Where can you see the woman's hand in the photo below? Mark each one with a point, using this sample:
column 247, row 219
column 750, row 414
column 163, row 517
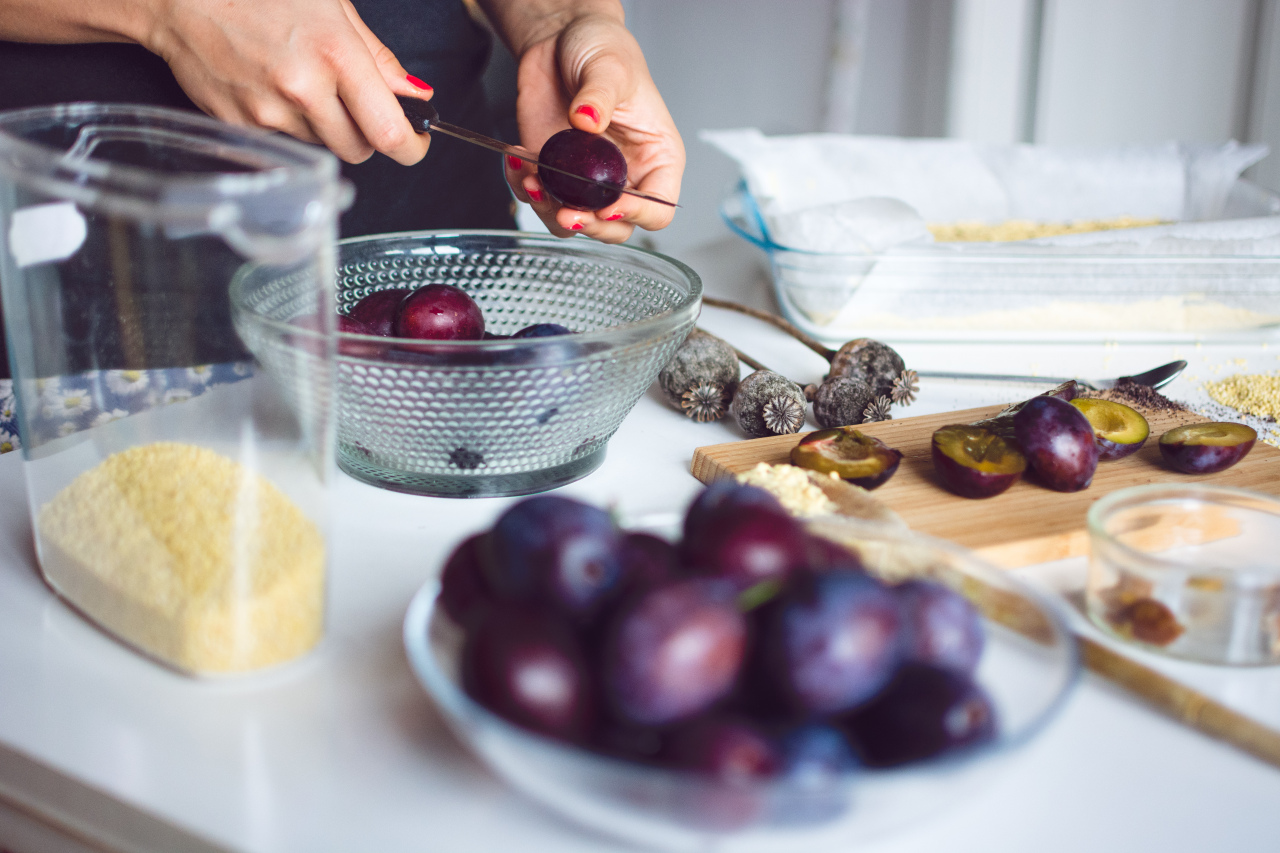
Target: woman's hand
column 583, row 68
column 309, row 68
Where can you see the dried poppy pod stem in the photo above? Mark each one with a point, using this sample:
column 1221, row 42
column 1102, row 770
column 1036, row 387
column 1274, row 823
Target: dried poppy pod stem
column 878, row 362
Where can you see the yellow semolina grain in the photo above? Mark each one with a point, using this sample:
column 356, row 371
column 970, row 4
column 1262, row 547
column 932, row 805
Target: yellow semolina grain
column 1254, row 394
column 1024, row 229
column 791, row 486
column 191, row 556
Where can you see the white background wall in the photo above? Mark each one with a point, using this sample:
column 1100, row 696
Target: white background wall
column 1050, row 71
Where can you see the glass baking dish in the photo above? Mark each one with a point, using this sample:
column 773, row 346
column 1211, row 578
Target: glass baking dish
column 1013, row 292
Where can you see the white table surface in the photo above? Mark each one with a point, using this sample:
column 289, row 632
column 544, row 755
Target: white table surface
column 101, row 749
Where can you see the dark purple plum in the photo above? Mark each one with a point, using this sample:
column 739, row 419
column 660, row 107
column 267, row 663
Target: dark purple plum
column 525, row 665
column 735, row 754
column 464, row 593
column 1206, row 448
column 378, row 310
column 817, row 765
column 1118, row 430
column 648, row 561
column 747, row 546
column 924, row 712
column 724, row 498
column 940, row 626
column 861, row 459
column 823, row 555
column 974, row 462
column 543, row 330
column 1058, row 443
column 357, row 349
column 830, row 641
column 555, row 550
column 439, row 312
column 588, row 155
column 674, row 651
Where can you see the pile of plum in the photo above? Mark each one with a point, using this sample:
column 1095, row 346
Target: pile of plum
column 433, row 312
column 750, row 651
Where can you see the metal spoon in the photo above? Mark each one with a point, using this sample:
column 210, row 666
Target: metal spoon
column 1156, row 377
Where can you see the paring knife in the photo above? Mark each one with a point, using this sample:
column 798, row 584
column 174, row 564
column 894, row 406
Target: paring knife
column 424, row 118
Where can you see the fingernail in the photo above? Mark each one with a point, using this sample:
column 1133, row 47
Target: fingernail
column 536, row 195
column 415, row 81
column 514, row 163
column 613, row 217
column 577, row 226
column 590, row 112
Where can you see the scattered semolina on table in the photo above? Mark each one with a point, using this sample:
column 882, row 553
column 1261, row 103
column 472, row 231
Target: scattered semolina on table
column 191, row 556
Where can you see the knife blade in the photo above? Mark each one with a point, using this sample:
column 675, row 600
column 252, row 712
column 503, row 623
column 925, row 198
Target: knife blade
column 424, row 118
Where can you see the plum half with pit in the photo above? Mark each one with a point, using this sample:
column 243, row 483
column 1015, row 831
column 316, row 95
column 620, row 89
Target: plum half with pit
column 439, row 312
column 861, row 459
column 1206, row 448
column 1058, row 443
column 1118, row 430
column 588, row 155
column 974, row 462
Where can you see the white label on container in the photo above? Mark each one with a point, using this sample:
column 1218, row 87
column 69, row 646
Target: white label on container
column 46, row 232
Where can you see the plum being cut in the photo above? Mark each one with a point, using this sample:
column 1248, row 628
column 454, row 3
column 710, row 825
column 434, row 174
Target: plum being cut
column 1206, row 448
column 673, row 652
column 861, row 459
column 1058, row 442
column 1118, row 430
column 974, row 462
column 589, row 155
column 439, row 312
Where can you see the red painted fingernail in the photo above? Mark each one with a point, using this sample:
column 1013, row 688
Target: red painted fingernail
column 514, row 163
column 590, row 112
column 577, row 226
column 535, row 195
column 614, row 216
column 415, row 81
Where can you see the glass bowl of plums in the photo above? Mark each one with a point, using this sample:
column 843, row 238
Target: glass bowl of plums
column 735, row 679
column 484, row 363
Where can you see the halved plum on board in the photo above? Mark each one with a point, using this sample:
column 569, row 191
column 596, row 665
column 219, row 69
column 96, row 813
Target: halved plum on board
column 1058, row 442
column 1206, row 448
column 974, row 462
column 848, row 453
column 1118, row 430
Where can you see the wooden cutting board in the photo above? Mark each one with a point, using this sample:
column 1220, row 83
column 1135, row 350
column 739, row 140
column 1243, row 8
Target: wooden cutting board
column 1025, row 525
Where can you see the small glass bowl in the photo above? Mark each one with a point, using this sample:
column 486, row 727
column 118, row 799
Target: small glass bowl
column 1028, row 667
column 505, row 416
column 1188, row 571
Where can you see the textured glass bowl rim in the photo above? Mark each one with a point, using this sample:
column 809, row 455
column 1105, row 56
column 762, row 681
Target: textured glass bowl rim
column 296, row 163
column 650, row 328
column 456, row 705
column 1154, row 493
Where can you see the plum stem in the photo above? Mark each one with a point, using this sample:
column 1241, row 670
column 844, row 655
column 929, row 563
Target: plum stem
column 774, row 320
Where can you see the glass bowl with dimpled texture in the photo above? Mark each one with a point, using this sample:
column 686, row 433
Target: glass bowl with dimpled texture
column 491, row 417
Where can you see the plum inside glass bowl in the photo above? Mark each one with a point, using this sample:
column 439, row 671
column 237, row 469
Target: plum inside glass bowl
column 503, row 416
column 1028, row 666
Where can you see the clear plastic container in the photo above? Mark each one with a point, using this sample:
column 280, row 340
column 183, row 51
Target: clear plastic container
column 1189, row 571
column 177, row 490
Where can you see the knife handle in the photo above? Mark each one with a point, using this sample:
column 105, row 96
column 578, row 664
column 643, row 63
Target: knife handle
column 421, row 114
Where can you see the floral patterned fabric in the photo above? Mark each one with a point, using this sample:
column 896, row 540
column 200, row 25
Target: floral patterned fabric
column 68, row 404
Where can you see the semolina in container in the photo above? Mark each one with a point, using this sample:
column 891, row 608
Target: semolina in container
column 178, row 490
